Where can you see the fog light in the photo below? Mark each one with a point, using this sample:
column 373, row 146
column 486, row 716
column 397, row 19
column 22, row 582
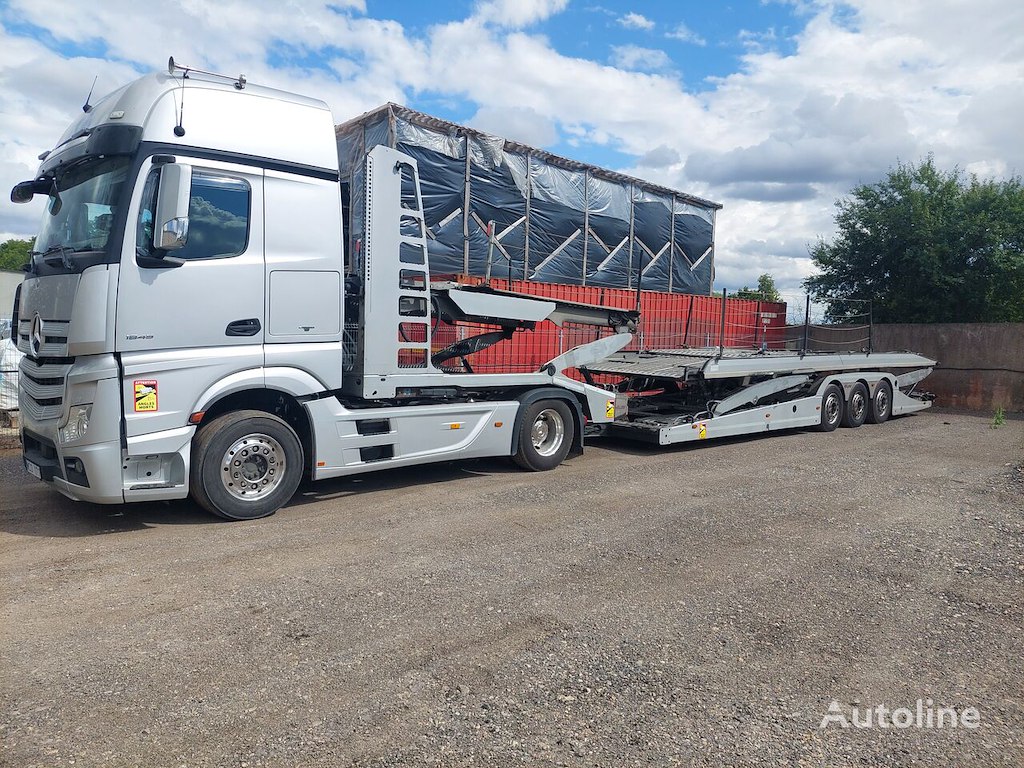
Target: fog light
column 77, row 424
column 74, row 471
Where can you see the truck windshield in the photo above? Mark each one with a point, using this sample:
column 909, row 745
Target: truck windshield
column 81, row 206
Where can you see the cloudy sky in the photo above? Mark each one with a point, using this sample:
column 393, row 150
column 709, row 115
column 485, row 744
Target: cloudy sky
column 774, row 108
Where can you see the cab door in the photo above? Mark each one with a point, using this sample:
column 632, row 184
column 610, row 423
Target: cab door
column 216, row 298
column 182, row 329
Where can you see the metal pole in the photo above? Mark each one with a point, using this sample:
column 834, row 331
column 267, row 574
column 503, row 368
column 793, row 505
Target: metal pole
column 526, row 226
column 711, row 272
column 586, row 220
column 721, row 330
column 466, row 199
column 689, row 314
column 639, row 267
column 490, row 250
column 871, row 325
column 672, row 243
column 807, row 324
column 629, row 274
column 757, row 322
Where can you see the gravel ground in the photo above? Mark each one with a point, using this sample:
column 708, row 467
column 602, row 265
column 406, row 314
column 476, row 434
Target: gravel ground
column 696, row 606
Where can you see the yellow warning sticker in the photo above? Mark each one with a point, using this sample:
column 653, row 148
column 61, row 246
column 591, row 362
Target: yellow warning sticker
column 609, row 409
column 145, row 395
column 702, row 431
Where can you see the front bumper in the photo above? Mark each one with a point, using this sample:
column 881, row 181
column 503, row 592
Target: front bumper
column 83, row 473
column 154, row 468
column 99, row 467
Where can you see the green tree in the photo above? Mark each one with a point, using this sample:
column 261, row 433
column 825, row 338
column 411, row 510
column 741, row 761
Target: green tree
column 765, row 291
column 14, row 254
column 926, row 246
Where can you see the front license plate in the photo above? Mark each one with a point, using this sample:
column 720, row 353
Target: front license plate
column 33, row 469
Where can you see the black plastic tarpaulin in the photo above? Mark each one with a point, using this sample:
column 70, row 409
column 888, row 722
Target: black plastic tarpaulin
column 499, row 207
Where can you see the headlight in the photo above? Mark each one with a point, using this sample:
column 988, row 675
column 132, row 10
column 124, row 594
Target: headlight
column 78, row 423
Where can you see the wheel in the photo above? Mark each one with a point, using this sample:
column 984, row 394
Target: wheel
column 833, row 404
column 545, row 435
column 245, row 465
column 857, row 406
column 881, row 403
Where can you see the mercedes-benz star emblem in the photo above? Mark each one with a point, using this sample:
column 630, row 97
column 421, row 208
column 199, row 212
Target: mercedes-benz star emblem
column 35, row 335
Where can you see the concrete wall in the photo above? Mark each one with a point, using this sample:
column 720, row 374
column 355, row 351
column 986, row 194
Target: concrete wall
column 981, row 365
column 8, row 283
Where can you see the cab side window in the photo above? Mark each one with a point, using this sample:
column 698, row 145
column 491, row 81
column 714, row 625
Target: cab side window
column 218, row 217
column 144, row 229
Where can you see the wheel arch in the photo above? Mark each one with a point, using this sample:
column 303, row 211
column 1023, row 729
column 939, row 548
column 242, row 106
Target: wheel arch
column 869, row 379
column 272, row 390
column 552, row 393
column 273, row 401
column 888, row 378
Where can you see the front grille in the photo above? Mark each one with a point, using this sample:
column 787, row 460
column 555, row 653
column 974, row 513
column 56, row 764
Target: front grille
column 55, row 338
column 43, row 371
column 46, row 382
column 42, row 386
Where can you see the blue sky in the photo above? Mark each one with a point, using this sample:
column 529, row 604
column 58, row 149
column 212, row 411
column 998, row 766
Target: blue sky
column 774, row 108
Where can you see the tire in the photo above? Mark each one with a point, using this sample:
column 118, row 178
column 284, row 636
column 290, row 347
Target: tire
column 833, row 408
column 857, row 406
column 881, row 403
column 245, row 465
column 546, row 433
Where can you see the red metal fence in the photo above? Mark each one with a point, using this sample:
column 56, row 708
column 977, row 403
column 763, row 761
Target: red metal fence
column 667, row 321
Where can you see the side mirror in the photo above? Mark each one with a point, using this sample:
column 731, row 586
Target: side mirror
column 26, row 190
column 172, row 199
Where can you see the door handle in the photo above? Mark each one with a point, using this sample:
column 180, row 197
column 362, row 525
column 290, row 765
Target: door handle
column 248, row 327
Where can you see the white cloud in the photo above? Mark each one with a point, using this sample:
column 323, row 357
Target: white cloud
column 636, row 21
column 640, row 59
column 517, row 14
column 686, row 35
column 526, row 71
column 758, row 40
column 659, row 157
column 824, row 140
column 521, row 124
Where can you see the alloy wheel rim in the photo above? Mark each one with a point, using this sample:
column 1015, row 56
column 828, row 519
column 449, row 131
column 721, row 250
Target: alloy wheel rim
column 548, row 432
column 253, row 467
column 832, row 408
column 857, row 404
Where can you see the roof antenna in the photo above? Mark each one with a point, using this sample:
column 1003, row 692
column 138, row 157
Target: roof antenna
column 179, row 129
column 87, row 107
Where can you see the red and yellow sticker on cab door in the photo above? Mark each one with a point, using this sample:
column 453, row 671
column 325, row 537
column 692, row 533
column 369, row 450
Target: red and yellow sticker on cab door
column 145, row 395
